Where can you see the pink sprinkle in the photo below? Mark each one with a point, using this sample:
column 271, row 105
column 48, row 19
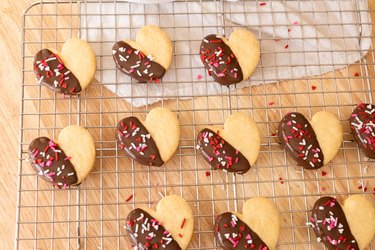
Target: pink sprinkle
column 289, row 123
column 49, row 163
column 216, row 65
column 65, row 186
column 210, row 159
column 67, row 158
column 221, row 75
column 295, row 23
column 248, row 237
column 235, row 75
column 323, row 189
column 153, row 220
column 233, row 241
column 36, row 153
column 148, row 238
column 199, row 77
column 233, row 224
column 166, row 232
column 277, row 39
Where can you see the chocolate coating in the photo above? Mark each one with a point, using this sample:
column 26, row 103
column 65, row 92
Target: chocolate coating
column 299, row 140
column 51, row 163
column 220, row 61
column 233, row 233
column 137, row 142
column 362, row 123
column 330, row 225
column 136, row 64
column 51, row 72
column 220, row 154
column 146, row 232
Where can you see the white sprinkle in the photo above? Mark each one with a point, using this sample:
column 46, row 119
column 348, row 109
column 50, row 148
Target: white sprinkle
column 70, row 174
column 140, row 217
column 321, row 208
column 312, row 164
column 318, row 239
column 309, row 224
column 63, row 167
column 139, row 73
column 41, row 79
column 55, row 83
column 114, row 52
column 122, row 59
column 205, row 40
column 59, row 173
column 135, row 66
column 293, row 115
column 121, row 49
column 50, row 59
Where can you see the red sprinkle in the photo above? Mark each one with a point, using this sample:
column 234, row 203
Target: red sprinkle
column 271, row 103
column 286, row 46
column 183, row 223
column 180, row 235
column 208, row 173
column 129, row 198
column 356, row 74
column 364, row 188
column 324, row 173
column 273, row 134
column 280, row 178
column 289, row 30
column 262, row 4
column 313, row 87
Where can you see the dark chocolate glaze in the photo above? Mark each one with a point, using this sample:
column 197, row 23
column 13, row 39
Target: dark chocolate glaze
column 137, row 142
column 330, row 225
column 51, row 72
column 136, row 64
column 299, row 140
column 146, row 232
column 362, row 123
column 233, row 233
column 220, row 154
column 220, row 61
column 51, row 163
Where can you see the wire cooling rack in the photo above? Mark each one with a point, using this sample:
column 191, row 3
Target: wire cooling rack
column 92, row 216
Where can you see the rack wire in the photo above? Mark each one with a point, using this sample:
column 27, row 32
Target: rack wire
column 92, row 215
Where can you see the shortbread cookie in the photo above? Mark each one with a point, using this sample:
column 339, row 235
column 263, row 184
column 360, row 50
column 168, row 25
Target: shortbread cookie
column 67, row 161
column 362, row 123
column 312, row 144
column 69, row 71
column 151, row 142
column 230, row 61
column 350, row 226
column 147, row 58
column 258, row 227
column 234, row 148
column 171, row 226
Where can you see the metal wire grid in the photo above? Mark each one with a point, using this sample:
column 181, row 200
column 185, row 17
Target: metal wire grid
column 92, row 215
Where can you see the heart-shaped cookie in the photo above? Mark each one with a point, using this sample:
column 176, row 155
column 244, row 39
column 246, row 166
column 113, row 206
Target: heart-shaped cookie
column 311, row 143
column 147, row 58
column 69, row 71
column 258, row 227
column 350, row 226
column 362, row 123
column 171, row 226
column 153, row 141
column 67, row 161
column 230, row 61
column 234, row 148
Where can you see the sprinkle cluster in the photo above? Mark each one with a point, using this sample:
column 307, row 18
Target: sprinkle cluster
column 136, row 64
column 362, row 122
column 148, row 233
column 49, row 161
column 220, row 61
column 233, row 232
column 330, row 224
column 299, row 137
column 220, row 154
column 137, row 141
column 49, row 69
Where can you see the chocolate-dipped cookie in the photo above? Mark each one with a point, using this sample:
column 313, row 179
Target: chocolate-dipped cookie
column 63, row 163
column 233, row 233
column 312, row 144
column 169, row 227
column 151, row 142
column 258, row 227
column 69, row 71
column 230, row 61
column 234, row 148
column 147, row 58
column 362, row 123
column 350, row 226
